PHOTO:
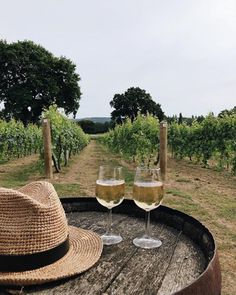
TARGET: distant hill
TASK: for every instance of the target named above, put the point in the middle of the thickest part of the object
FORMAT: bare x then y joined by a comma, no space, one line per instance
96,119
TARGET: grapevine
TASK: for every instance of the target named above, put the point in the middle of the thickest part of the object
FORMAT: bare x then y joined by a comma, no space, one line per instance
137,140
17,141
213,138
67,137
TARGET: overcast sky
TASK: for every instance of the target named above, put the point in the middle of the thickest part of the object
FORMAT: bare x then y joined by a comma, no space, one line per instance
182,52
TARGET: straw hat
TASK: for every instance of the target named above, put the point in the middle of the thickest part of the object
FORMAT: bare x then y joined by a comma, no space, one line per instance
36,244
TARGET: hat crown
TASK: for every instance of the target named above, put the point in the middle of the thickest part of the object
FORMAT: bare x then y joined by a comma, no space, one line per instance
32,219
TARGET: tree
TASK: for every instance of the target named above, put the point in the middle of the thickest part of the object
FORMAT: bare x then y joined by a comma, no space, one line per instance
132,102
91,127
32,79
227,112
88,126
180,120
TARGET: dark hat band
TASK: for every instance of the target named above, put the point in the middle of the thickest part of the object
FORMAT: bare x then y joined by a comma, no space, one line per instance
17,263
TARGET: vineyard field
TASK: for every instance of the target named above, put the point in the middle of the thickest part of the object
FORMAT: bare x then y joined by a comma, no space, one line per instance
206,194
212,139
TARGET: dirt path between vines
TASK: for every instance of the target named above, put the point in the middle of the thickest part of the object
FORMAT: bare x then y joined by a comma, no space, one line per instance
84,168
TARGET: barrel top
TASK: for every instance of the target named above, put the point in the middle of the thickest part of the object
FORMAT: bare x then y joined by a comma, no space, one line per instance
187,250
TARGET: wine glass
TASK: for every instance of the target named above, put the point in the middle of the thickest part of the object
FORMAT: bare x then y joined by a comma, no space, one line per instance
110,190
148,192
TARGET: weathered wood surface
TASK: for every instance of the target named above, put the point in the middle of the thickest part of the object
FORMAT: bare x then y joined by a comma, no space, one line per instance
163,149
47,148
125,269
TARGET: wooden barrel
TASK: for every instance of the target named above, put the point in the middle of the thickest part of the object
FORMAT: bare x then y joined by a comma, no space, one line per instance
186,264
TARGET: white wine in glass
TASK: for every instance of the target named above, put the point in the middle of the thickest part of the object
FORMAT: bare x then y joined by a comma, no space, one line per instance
110,190
148,192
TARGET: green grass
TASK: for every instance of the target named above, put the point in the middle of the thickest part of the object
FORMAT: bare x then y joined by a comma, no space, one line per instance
20,177
3,161
67,189
228,212
178,193
184,202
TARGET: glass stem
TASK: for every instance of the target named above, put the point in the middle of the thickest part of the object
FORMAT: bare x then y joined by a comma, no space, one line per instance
147,224
109,221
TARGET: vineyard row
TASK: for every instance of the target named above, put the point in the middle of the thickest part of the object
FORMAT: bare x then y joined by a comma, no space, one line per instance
212,139
17,141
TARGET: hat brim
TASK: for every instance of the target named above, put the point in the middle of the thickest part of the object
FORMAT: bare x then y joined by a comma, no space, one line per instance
85,250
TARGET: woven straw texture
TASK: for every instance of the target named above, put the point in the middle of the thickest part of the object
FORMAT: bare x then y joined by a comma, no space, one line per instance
32,220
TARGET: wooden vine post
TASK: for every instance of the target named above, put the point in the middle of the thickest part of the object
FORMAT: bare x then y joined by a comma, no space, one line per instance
47,148
163,149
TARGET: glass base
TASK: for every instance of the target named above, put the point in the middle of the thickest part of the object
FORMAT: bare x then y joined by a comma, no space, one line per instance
111,239
146,242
